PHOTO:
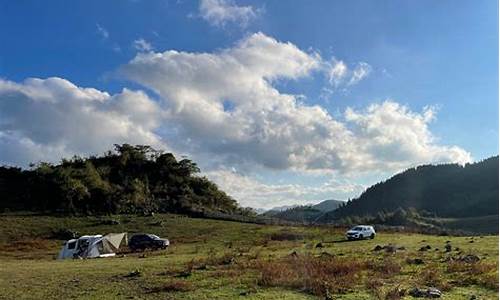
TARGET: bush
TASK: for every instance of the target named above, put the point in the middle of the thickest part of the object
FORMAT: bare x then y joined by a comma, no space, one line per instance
315,275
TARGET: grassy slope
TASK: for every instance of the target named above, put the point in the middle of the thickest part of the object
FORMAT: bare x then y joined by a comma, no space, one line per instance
28,271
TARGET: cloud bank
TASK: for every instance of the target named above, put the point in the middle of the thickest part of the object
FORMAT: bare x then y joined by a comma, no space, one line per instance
223,108
225,104
48,119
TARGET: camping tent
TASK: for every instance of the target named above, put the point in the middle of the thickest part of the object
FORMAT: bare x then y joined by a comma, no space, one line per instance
92,246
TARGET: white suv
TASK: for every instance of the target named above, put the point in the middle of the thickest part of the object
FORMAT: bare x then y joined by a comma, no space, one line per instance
360,232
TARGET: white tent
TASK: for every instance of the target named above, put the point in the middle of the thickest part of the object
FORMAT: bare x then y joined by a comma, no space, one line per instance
92,246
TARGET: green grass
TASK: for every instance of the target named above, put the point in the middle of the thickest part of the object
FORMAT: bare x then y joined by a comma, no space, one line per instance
28,269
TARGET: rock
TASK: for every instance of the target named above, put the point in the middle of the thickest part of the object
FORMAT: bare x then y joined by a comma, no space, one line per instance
319,245
417,293
473,297
390,249
425,293
228,261
378,248
293,254
433,293
470,258
448,247
471,241
457,249
401,248
135,273
425,248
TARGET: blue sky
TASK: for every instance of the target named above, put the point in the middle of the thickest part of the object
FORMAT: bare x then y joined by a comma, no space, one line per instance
434,56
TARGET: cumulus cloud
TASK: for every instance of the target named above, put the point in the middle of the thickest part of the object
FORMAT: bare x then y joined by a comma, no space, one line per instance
221,12
224,108
225,105
254,193
47,119
142,45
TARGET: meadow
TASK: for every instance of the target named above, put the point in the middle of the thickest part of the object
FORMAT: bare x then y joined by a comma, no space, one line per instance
212,259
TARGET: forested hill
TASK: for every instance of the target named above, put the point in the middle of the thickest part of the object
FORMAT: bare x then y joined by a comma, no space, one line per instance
448,190
131,179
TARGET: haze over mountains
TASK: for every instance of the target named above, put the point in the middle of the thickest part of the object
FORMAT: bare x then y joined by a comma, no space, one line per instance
447,195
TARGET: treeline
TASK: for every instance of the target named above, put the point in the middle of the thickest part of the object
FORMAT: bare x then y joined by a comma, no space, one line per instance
130,179
448,190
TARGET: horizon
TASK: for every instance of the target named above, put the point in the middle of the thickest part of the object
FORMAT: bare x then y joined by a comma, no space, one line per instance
278,105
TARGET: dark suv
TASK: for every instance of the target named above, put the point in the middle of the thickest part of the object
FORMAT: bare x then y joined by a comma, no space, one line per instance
145,241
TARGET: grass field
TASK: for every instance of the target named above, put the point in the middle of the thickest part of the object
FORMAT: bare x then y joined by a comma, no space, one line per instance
210,259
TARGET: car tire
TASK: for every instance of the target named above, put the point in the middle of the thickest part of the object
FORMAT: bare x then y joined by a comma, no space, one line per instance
372,236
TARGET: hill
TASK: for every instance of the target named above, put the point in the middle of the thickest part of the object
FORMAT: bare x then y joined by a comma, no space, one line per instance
131,179
328,205
448,190
307,213
438,191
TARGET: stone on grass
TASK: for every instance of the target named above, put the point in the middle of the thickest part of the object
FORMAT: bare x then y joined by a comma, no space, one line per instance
430,292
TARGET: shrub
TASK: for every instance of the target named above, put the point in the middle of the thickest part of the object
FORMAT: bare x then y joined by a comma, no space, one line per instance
315,275
432,276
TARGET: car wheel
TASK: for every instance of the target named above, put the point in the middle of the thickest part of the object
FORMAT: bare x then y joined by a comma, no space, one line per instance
372,236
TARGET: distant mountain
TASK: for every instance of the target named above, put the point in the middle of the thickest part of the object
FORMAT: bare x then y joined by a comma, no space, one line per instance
278,209
307,213
328,205
446,191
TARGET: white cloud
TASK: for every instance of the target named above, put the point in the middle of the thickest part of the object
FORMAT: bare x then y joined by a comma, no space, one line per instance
226,106
337,70
393,138
102,31
254,193
47,119
361,71
339,75
142,45
221,12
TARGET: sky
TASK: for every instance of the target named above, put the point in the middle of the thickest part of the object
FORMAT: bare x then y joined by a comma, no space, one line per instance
278,102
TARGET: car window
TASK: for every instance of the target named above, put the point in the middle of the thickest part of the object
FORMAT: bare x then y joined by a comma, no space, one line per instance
137,238
71,245
357,228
